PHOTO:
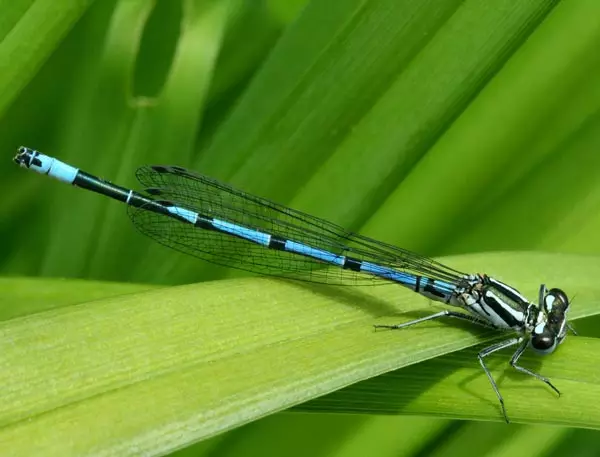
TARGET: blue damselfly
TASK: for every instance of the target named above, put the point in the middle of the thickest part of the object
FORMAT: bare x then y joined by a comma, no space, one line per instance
205,218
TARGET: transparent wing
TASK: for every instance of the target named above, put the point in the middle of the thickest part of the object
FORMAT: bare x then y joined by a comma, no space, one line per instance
211,198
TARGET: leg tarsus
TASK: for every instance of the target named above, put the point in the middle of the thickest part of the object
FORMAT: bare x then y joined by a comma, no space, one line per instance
513,363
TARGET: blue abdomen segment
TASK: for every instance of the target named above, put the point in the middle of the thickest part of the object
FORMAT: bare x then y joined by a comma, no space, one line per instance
401,277
266,239
183,213
251,235
319,254
432,288
47,165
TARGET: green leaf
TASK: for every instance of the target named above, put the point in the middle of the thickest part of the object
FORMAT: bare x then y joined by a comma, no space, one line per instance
209,357
29,32
22,296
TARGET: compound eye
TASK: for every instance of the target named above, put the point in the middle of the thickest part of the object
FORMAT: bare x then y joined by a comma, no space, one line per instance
556,307
556,297
543,340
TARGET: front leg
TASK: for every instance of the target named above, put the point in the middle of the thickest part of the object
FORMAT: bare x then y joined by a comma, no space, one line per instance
513,363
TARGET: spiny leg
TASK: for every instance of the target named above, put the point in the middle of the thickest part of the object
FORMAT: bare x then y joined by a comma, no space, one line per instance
513,363
490,350
445,313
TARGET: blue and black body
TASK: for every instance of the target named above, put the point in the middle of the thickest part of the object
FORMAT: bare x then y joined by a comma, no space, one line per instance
205,218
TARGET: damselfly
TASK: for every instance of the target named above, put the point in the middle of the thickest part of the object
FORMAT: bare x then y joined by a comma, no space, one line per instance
213,221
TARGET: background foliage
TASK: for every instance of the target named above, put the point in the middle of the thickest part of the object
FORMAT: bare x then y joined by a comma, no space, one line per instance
443,126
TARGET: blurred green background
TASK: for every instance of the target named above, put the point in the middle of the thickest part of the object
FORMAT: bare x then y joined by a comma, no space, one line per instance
442,126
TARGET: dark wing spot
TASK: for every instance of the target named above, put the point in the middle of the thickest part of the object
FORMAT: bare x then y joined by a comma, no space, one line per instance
153,191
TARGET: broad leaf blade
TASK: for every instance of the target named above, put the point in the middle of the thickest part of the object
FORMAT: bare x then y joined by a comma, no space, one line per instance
213,356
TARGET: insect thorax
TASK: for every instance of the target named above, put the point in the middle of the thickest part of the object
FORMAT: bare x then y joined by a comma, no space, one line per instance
498,304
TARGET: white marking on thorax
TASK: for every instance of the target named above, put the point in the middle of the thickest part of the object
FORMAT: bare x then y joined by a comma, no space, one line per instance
539,328
489,313
549,302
